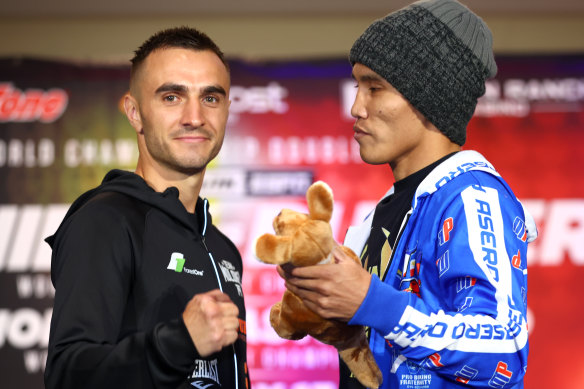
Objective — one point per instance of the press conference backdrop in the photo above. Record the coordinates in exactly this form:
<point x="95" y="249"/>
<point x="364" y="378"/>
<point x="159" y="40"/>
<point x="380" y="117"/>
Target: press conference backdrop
<point x="62" y="129"/>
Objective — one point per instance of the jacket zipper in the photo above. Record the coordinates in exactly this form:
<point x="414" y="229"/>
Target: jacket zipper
<point x="205" y="207"/>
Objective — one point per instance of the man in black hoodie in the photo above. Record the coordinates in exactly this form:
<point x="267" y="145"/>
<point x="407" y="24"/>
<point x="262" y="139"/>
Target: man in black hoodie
<point x="148" y="290"/>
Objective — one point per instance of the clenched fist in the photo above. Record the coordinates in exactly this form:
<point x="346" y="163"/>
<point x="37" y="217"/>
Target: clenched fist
<point x="211" y="319"/>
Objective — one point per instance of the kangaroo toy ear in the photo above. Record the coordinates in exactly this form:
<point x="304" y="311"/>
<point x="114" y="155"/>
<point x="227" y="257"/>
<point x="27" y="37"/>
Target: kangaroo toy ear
<point x="319" y="197"/>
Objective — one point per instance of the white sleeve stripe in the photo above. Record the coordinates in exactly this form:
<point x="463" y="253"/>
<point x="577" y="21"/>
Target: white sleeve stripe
<point x="486" y="239"/>
<point x="438" y="331"/>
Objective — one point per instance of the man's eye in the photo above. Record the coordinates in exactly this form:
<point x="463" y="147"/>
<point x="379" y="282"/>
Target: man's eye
<point x="211" y="99"/>
<point x="170" y="98"/>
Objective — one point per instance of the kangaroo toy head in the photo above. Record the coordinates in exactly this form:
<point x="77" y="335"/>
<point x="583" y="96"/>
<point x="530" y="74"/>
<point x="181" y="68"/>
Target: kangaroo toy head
<point x="301" y="239"/>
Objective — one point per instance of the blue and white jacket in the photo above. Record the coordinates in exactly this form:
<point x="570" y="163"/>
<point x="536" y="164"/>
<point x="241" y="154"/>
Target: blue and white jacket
<point x="451" y="310"/>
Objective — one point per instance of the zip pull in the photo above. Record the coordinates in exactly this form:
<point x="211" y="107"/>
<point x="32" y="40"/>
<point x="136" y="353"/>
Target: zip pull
<point x="205" y="244"/>
<point x="205" y="208"/>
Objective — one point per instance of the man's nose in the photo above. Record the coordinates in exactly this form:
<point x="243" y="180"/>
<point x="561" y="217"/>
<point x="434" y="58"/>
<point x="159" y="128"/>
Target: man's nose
<point x="358" y="110"/>
<point x="193" y="114"/>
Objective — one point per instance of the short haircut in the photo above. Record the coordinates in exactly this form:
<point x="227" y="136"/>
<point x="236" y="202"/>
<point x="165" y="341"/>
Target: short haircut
<point x="178" y="37"/>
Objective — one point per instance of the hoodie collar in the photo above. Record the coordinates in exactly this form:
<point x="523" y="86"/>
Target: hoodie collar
<point x="134" y="186"/>
<point x="451" y="168"/>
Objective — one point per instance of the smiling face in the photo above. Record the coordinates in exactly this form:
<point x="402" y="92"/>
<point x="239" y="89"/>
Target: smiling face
<point x="389" y="129"/>
<point x="178" y="106"/>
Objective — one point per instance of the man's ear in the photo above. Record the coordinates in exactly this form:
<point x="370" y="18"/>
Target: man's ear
<point x="133" y="113"/>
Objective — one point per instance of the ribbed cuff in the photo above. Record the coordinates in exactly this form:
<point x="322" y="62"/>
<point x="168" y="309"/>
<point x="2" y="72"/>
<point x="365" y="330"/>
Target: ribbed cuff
<point x="382" y="307"/>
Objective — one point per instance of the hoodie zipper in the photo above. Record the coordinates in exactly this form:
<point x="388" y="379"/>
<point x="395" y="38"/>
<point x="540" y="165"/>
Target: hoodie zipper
<point x="205" y="208"/>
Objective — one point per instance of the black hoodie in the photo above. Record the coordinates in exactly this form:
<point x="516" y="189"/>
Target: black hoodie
<point x="126" y="260"/>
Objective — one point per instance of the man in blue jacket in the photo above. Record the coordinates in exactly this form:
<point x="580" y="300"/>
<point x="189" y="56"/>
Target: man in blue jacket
<point x="444" y="279"/>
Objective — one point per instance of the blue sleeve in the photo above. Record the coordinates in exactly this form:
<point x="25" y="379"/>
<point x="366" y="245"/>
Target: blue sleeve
<point x="469" y="322"/>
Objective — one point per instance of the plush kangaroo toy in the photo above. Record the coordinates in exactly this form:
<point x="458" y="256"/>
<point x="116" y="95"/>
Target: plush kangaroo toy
<point x="302" y="240"/>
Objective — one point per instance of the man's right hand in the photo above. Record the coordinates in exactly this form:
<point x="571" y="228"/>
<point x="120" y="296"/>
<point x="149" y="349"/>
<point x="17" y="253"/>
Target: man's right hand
<point x="212" y="321"/>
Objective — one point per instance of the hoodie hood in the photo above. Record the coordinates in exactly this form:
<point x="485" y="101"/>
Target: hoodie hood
<point x="133" y="185"/>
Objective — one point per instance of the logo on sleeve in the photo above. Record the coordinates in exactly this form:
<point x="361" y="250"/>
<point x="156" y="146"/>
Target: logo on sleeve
<point x="443" y="263"/>
<point x="466" y="374"/>
<point x="516" y="260"/>
<point x="434" y="360"/>
<point x="519" y="229"/>
<point x="501" y="377"/>
<point x="444" y="234"/>
<point x="487" y="236"/>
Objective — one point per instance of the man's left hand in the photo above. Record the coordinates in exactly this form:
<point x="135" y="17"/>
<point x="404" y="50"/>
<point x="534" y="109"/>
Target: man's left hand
<point x="334" y="290"/>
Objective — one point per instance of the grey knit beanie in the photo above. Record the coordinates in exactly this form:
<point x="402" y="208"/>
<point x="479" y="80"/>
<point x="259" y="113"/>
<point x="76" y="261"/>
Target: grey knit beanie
<point x="437" y="54"/>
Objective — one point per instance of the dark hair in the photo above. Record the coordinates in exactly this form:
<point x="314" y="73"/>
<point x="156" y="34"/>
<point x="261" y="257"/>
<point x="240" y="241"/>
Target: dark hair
<point x="178" y="37"/>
